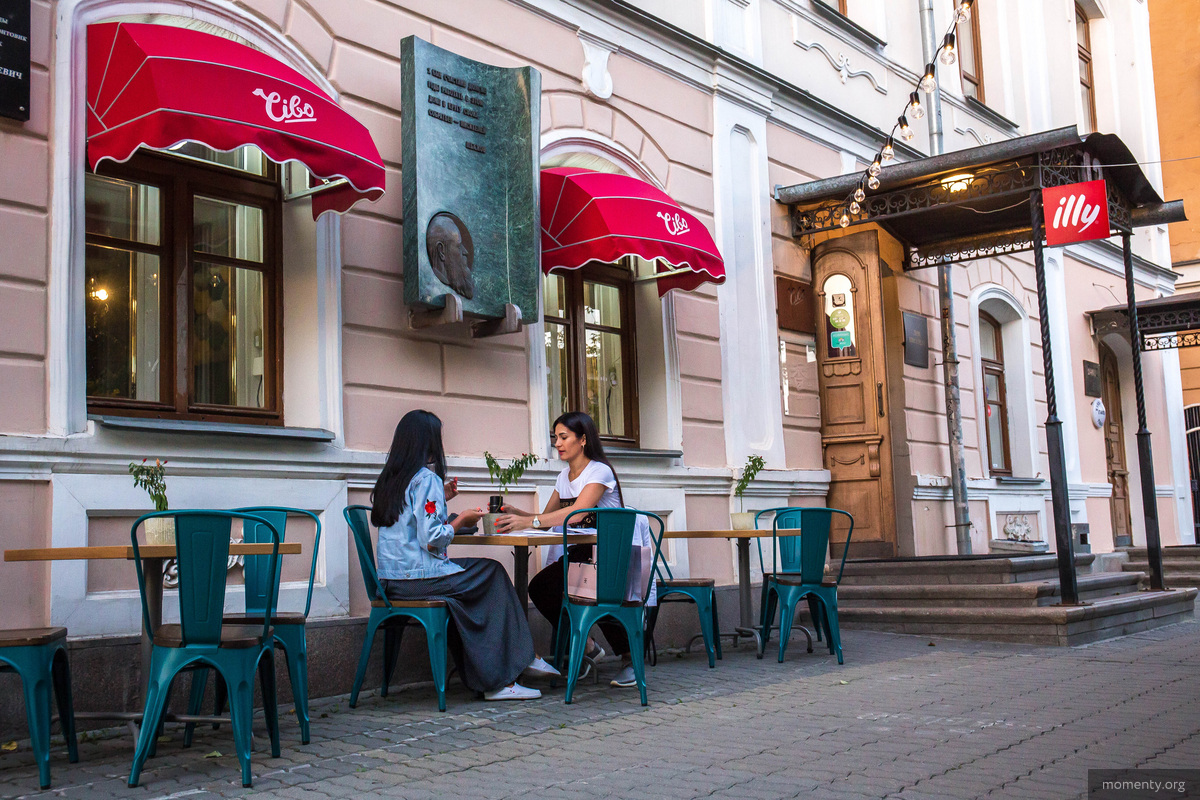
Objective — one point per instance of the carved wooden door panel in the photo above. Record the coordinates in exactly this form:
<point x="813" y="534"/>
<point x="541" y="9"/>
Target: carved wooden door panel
<point x="1114" y="448"/>
<point x="854" y="424"/>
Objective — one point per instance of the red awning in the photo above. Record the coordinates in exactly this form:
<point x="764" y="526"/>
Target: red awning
<point x="159" y="85"/>
<point x="601" y="216"/>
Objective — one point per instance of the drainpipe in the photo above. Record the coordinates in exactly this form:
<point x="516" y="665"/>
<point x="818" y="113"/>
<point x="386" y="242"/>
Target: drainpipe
<point x="958" y="468"/>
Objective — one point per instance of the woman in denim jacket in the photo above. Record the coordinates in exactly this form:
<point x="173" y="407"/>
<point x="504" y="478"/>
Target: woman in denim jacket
<point x="490" y="637"/>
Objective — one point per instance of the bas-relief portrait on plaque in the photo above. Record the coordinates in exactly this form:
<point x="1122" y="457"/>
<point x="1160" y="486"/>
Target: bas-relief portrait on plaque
<point x="470" y="183"/>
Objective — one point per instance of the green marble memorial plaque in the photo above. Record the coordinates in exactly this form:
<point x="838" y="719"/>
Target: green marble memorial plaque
<point x="470" y="136"/>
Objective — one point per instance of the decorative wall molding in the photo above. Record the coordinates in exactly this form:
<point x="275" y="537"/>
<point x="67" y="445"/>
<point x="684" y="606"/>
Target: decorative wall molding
<point x="841" y="64"/>
<point x="597" y="80"/>
<point x="974" y="134"/>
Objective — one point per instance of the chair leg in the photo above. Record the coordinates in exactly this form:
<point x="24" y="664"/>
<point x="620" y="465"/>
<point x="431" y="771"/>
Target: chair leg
<point x="195" y="701"/>
<point x="368" y="640"/>
<point x="36" y="683"/>
<point x="770" y="600"/>
<point x="391" y="651"/>
<point x="61" y="671"/>
<point x="295" y="650"/>
<point x="241" y="713"/>
<point x="577" y="633"/>
<point x="812" y="612"/>
<point x="562" y="634"/>
<point x="786" y="612"/>
<point x="651" y="622"/>
<point x="831" y="625"/>
<point x="157" y="693"/>
<point x="635" y="629"/>
<point x="220" y="698"/>
<point x="435" y="637"/>
<point x="716" y="623"/>
<point x="162" y="717"/>
<point x="704" y="607"/>
<point x="266" y="675"/>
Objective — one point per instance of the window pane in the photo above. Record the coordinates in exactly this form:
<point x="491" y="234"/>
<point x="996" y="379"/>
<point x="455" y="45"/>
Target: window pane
<point x="123" y="324"/>
<point x="227" y="336"/>
<point x="247" y="158"/>
<point x="987" y="340"/>
<point x="557" y="372"/>
<point x="605" y="382"/>
<point x="965" y="40"/>
<point x="554" y="296"/>
<point x="602" y="305"/>
<point x="839" y="317"/>
<point x="122" y="209"/>
<point x="1089" y="113"/>
<point x="228" y="229"/>
<point x="995" y="424"/>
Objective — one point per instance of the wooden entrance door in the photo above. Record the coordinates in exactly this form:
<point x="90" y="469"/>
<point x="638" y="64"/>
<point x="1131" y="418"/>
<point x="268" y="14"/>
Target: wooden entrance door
<point x="1114" y="448"/>
<point x="851" y="374"/>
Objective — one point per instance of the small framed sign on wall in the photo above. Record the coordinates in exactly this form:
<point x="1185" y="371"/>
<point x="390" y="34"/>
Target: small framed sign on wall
<point x="14" y="59"/>
<point x="916" y="340"/>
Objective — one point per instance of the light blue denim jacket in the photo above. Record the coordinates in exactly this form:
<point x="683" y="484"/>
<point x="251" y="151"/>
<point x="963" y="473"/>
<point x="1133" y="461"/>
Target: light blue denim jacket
<point x="403" y="547"/>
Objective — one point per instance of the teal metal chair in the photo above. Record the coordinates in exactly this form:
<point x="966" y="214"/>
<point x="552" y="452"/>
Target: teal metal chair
<point x="288" y="626"/>
<point x="393" y="615"/>
<point x="799" y="573"/>
<point x="788" y="519"/>
<point x="201" y="639"/>
<point x="614" y="544"/>
<point x="39" y="657"/>
<point x="699" y="591"/>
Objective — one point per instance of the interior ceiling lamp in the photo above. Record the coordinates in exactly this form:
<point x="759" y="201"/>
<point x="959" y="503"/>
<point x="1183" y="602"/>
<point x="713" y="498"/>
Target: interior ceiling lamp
<point x="958" y="183"/>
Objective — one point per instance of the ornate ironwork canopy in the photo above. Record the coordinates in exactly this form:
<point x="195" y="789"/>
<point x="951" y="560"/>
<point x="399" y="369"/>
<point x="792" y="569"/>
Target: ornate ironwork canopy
<point x="1164" y="324"/>
<point x="975" y="203"/>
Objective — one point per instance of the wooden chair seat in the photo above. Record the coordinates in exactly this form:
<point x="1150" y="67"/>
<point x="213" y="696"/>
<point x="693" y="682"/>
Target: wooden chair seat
<point x="409" y="603"/>
<point x="278" y="618"/>
<point x="687" y="583"/>
<point x="232" y="636"/>
<point x="591" y="601"/>
<point x="30" y="637"/>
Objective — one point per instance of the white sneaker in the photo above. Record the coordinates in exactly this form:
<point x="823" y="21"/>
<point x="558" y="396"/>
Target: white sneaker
<point x="514" y="692"/>
<point x="625" y="678"/>
<point x="539" y="668"/>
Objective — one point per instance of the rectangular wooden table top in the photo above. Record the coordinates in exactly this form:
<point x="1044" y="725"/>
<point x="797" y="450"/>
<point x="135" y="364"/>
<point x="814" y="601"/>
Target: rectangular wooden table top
<point x="532" y="539"/>
<point x="125" y="551"/>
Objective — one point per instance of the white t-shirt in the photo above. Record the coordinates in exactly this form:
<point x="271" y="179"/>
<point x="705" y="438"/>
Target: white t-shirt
<point x="568" y="490"/>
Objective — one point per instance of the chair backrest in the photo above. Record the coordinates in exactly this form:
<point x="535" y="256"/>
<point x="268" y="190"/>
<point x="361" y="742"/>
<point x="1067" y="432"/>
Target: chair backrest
<point x="806" y="554"/>
<point x="356" y="517"/>
<point x="202" y="555"/>
<point x="614" y="545"/>
<point x="257" y="579"/>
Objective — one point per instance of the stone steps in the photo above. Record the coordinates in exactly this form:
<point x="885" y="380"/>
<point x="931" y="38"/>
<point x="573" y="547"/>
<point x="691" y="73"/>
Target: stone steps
<point x="958" y="570"/>
<point x="1026" y="594"/>
<point x="1181" y="564"/>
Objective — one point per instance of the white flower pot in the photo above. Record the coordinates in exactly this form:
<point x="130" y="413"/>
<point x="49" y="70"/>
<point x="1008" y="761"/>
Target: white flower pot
<point x="160" y="530"/>
<point x="742" y="520"/>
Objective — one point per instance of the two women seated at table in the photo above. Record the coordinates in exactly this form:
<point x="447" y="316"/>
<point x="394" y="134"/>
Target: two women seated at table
<point x="588" y="481"/>
<point x="489" y="636"/>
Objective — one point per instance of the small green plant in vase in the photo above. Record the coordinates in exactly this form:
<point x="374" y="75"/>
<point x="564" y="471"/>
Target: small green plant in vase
<point x="504" y="476"/>
<point x="743" y="520"/>
<point x="153" y="478"/>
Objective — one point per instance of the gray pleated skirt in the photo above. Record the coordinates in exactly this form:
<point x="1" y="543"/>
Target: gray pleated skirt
<point x="489" y="635"/>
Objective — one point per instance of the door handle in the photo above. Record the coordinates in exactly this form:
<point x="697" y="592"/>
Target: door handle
<point x="879" y="398"/>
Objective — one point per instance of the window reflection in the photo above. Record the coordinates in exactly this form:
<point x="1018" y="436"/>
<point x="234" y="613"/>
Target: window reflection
<point x="840" y="335"/>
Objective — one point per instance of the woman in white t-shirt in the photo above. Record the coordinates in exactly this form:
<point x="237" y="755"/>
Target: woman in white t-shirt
<point x="588" y="481"/>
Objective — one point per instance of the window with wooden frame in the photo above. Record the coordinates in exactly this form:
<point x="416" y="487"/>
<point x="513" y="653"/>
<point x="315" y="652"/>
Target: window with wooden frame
<point x="1087" y="86"/>
<point x="995" y="406"/>
<point x="182" y="286"/>
<point x="970" y="62"/>
<point x="590" y="347"/>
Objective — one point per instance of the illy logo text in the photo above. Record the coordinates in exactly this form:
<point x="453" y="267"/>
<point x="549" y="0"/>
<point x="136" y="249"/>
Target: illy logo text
<point x="1080" y="212"/>
<point x="294" y="110"/>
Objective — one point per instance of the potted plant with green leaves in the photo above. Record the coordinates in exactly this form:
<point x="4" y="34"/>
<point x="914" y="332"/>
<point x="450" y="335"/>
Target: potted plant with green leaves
<point x="504" y="476"/>
<point x="743" y="520"/>
<point x="153" y="478"/>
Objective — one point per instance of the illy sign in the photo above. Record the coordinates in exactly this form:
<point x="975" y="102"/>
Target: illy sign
<point x="1076" y="213"/>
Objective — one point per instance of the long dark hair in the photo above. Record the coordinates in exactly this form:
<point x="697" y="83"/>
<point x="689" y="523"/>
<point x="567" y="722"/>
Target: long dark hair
<point x="584" y="427"/>
<point x="417" y="443"/>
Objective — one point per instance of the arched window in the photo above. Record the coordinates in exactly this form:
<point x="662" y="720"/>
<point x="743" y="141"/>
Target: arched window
<point x="995" y="406"/>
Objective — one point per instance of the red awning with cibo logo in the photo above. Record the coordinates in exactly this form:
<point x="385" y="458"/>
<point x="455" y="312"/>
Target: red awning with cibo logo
<point x="159" y="85"/>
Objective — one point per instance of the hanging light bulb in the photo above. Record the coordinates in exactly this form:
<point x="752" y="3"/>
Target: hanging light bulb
<point x="905" y="130"/>
<point x="888" y="151"/>
<point x="964" y="11"/>
<point x="873" y="182"/>
<point x="873" y="170"/>
<point x="859" y="194"/>
<point x="855" y="207"/>
<point x="948" y="56"/>
<point x="844" y="221"/>
<point x="914" y="106"/>
<point x="929" y="80"/>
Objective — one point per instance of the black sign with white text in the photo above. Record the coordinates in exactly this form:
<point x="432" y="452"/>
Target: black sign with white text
<point x="14" y="59"/>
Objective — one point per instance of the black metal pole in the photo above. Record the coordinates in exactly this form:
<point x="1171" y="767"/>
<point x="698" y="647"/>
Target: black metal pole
<point x="1145" y="455"/>
<point x="1059" y="502"/>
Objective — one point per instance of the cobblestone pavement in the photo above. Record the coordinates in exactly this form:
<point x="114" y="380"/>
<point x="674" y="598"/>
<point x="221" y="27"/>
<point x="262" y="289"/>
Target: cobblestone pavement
<point x="901" y="719"/>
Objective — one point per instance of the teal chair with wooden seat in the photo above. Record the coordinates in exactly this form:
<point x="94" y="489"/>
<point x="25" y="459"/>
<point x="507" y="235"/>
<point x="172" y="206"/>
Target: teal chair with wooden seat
<point x="614" y="545"/>
<point x="289" y="626"/>
<point x="39" y="657"/>
<point x="201" y="639"/>
<point x="393" y="615"/>
<point x="699" y="591"/>
<point x="799" y="573"/>
<point x="784" y="518"/>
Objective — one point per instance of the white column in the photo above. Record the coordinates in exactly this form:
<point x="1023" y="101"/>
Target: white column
<point x="1177" y="441"/>
<point x="1064" y="378"/>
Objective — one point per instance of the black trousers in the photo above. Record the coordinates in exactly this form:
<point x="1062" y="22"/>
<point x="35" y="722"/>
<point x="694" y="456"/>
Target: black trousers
<point x="546" y="592"/>
<point x="489" y="635"/>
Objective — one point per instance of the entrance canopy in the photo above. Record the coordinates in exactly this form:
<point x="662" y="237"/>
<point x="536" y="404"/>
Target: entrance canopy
<point x="159" y="85"/>
<point x="1164" y="323"/>
<point x="974" y="203"/>
<point x="602" y="216"/>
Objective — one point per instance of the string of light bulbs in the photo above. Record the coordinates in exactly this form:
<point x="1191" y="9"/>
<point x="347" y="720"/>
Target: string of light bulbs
<point x="947" y="54"/>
